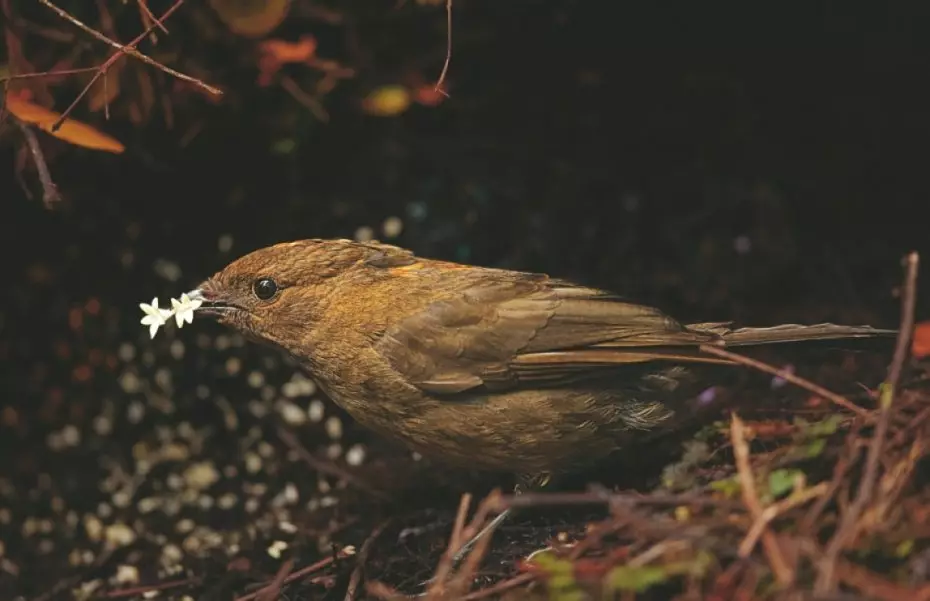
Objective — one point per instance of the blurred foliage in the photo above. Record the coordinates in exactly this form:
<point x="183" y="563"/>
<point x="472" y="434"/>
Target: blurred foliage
<point x="305" y="56"/>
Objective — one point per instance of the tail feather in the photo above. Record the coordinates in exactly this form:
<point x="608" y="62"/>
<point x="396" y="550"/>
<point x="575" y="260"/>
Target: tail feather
<point x="790" y="333"/>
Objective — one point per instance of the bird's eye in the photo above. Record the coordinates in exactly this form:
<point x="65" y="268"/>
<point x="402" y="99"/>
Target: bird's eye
<point x="264" y="288"/>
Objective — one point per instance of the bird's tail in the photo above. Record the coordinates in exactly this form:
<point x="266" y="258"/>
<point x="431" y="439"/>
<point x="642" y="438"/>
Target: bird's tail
<point x="789" y="333"/>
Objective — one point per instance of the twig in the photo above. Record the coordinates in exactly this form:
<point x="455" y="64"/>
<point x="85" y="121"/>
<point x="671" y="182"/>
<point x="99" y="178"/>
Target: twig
<point x="356" y="578"/>
<point x="780" y="568"/>
<point x="273" y="589"/>
<point x="48" y="74"/>
<point x="306" y="100"/>
<point x="849" y="523"/>
<point x="121" y="50"/>
<point x="149" y="18"/>
<point x="50" y="194"/>
<point x="788" y="377"/>
<point x="127" y="49"/>
<point x="776" y="509"/>
<point x="301" y="573"/>
<point x="327" y="467"/>
<point x="876" y="587"/>
<point x="607" y="498"/>
<point x="445" y="65"/>
<point x="148" y="588"/>
<point x="455" y="543"/>
<point x="500" y="587"/>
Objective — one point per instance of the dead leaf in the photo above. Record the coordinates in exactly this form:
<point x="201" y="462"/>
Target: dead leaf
<point x="920" y="343"/>
<point x="277" y="53"/>
<point x="72" y="131"/>
<point x="105" y="91"/>
<point x="387" y="101"/>
<point x="251" y="18"/>
<point x="428" y="95"/>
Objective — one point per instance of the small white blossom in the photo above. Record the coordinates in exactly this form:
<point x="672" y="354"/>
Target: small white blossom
<point x="154" y="317"/>
<point x="184" y="309"/>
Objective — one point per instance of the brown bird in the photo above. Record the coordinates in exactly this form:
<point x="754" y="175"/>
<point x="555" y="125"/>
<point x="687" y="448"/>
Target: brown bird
<point x="482" y="368"/>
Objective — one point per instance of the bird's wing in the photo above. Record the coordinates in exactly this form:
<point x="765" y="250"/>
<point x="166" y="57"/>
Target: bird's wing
<point x="504" y="334"/>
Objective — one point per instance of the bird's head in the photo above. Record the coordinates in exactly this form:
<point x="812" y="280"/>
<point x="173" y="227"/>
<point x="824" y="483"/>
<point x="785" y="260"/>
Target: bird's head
<point x="277" y="293"/>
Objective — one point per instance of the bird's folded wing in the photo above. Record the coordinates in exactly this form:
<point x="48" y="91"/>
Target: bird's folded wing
<point x="511" y="333"/>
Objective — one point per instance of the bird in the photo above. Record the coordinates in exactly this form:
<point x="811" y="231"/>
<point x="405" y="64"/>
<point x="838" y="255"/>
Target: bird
<point x="477" y="367"/>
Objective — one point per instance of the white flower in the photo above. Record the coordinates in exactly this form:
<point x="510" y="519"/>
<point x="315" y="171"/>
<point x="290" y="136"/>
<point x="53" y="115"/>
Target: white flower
<point x="154" y="317"/>
<point x="184" y="309"/>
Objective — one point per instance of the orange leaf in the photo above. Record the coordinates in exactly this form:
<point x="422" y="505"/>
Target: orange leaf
<point x="920" y="343"/>
<point x="75" y="132"/>
<point x="428" y="95"/>
<point x="276" y="53"/>
<point x="387" y="101"/>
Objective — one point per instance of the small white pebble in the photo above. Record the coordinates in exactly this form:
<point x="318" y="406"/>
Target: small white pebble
<point x="129" y="382"/>
<point x="364" y="234"/>
<point x="126" y="352"/>
<point x="316" y="410"/>
<point x="292" y="414"/>
<point x="233" y="365"/>
<point x="184" y="526"/>
<point x="70" y="435"/>
<point x="287" y="527"/>
<point x="176" y="349"/>
<point x="127" y="574"/>
<point x="103" y="425"/>
<point x="200" y="476"/>
<point x="135" y="412"/>
<point x="119" y="535"/>
<point x="334" y="450"/>
<point x="256" y="379"/>
<point x="355" y="455"/>
<point x="334" y="427"/>
<point x="276" y="548"/>
<point x="392" y="227"/>
<point x="253" y="463"/>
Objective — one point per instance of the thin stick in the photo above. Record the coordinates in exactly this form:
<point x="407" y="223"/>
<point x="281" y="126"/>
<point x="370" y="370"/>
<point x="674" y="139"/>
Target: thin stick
<point x="780" y="568"/>
<point x="273" y="589"/>
<point x="48" y="74"/>
<point x="356" y="578"/>
<point x="776" y="509"/>
<point x="445" y="66"/>
<point x="148" y="588"/>
<point x="788" y="377"/>
<point x="129" y="48"/>
<point x="455" y="543"/>
<point x="301" y="573"/>
<point x="849" y="524"/>
<point x="50" y="194"/>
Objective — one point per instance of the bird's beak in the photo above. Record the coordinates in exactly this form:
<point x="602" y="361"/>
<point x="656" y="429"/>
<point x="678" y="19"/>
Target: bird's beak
<point x="215" y="302"/>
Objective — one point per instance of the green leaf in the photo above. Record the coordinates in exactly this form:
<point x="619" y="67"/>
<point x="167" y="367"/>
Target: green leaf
<point x="730" y="487"/>
<point x="781" y="482"/>
<point x="638" y="579"/>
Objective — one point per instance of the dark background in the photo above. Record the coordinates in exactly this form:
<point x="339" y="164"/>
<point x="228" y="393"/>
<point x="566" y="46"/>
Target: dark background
<point x="625" y="145"/>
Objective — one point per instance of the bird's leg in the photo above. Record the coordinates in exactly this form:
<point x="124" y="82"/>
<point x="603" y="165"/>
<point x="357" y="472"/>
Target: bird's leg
<point x="524" y="484"/>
